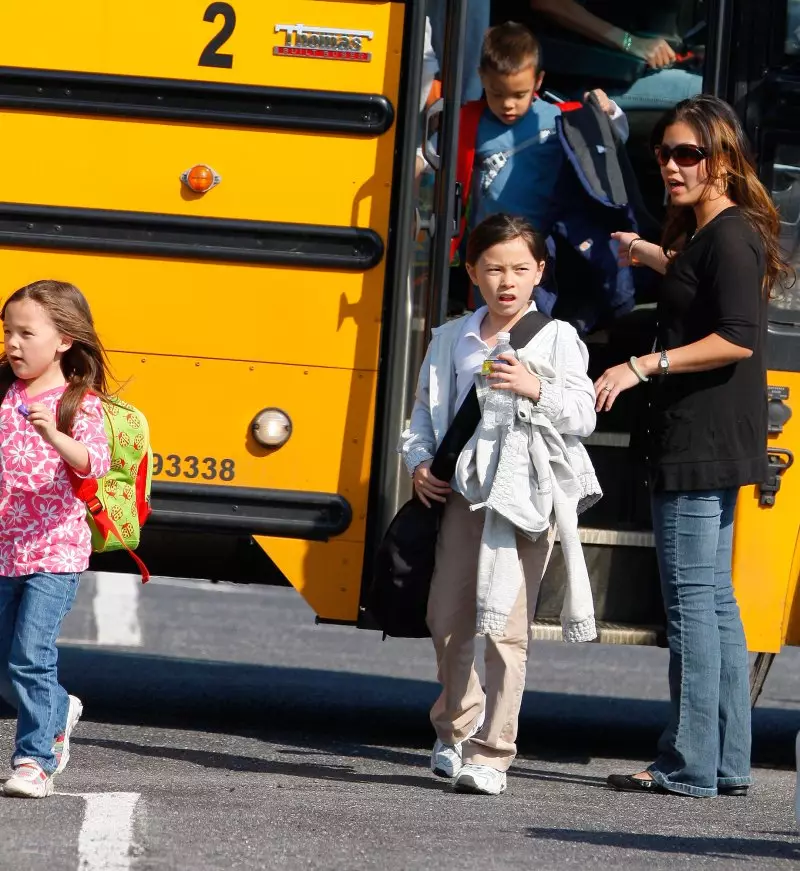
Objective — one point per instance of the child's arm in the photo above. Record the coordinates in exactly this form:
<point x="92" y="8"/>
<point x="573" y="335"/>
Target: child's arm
<point x="72" y="452"/>
<point x="418" y="442"/>
<point x="87" y="452"/>
<point x="569" y="406"/>
<point x="618" y="118"/>
<point x="567" y="403"/>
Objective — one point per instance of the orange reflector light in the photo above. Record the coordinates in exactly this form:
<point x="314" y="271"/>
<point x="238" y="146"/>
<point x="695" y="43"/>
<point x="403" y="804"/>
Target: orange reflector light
<point x="200" y="178"/>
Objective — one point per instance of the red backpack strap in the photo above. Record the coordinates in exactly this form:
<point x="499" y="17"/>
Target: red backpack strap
<point x="86" y="490"/>
<point x="467" y="139"/>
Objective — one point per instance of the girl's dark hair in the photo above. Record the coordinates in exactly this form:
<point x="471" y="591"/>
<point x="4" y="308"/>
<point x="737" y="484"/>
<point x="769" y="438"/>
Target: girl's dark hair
<point x="720" y="132"/>
<point x="500" y="228"/>
<point x="85" y="365"/>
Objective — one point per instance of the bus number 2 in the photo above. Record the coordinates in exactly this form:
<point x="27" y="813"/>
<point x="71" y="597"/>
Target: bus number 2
<point x="209" y="468"/>
<point x="211" y="56"/>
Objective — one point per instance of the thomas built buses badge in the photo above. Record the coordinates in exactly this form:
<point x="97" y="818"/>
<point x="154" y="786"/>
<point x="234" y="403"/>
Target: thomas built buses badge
<point x="323" y="43"/>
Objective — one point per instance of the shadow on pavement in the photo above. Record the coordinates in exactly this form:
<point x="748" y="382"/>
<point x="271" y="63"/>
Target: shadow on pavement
<point x="312" y="708"/>
<point x="723" y="848"/>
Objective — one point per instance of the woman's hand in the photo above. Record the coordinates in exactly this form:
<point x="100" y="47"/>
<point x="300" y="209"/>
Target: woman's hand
<point x="429" y="488"/>
<point x="42" y="420"/>
<point x="656" y="52"/>
<point x="613" y="382"/>
<point x="625" y="241"/>
<point x="512" y="375"/>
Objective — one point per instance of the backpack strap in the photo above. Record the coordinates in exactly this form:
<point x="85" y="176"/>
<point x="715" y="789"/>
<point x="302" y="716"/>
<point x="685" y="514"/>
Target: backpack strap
<point x="86" y="490"/>
<point x="467" y="139"/>
<point x="468" y="415"/>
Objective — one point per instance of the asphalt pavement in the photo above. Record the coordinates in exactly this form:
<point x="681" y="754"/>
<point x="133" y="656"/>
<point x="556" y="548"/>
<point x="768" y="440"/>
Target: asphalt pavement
<point x="224" y="730"/>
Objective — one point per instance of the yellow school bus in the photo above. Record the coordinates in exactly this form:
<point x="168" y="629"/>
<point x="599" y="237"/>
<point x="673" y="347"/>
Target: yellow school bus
<point x="232" y="184"/>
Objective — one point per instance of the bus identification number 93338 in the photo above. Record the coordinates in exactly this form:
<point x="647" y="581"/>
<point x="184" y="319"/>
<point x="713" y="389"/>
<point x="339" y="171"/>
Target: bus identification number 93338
<point x="208" y="468"/>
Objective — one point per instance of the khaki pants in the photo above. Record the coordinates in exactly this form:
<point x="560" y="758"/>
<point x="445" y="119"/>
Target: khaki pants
<point x="451" y="619"/>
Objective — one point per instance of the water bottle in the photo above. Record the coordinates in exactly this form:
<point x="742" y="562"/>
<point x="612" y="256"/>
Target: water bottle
<point x="498" y="409"/>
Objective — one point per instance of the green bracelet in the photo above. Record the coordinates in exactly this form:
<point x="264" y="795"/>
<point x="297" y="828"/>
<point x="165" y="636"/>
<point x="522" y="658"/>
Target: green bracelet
<point x="627" y="41"/>
<point x="633" y="363"/>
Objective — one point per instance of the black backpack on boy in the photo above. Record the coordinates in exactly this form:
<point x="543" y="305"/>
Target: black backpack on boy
<point x="404" y="564"/>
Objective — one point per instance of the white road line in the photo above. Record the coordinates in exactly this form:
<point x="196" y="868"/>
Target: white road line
<point x="106" y="835"/>
<point x="116" y="609"/>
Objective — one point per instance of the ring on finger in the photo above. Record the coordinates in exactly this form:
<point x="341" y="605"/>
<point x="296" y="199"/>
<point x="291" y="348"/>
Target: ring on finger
<point x="607" y="388"/>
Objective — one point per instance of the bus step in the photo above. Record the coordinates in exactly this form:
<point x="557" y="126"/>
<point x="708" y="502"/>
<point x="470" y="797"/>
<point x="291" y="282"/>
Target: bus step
<point x="549" y="629"/>
<point x="615" y="537"/>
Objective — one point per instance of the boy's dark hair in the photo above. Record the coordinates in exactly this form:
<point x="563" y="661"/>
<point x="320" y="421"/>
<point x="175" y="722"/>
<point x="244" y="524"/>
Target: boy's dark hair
<point x="500" y="228"/>
<point x="508" y="48"/>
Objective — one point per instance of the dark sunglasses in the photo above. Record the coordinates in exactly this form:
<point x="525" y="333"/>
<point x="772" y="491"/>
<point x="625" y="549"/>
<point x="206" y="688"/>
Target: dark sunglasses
<point x="683" y="155"/>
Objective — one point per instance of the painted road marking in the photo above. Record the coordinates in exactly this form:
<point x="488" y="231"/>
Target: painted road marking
<point x="106" y="835"/>
<point x="116" y="609"/>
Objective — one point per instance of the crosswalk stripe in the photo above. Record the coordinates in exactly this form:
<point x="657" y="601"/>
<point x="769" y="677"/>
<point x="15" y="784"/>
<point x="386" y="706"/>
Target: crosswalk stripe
<point x="116" y="609"/>
<point x="104" y="843"/>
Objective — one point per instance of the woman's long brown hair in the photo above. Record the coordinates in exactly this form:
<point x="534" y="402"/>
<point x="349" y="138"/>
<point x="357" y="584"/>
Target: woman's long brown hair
<point x="729" y="161"/>
<point x="85" y="365"/>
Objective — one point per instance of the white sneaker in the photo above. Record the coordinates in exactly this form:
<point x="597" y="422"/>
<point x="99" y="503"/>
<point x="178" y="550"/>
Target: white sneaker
<point x="480" y="779"/>
<point x="28" y="781"/>
<point x="446" y="758"/>
<point x="61" y="744"/>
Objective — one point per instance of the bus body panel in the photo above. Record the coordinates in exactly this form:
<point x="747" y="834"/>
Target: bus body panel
<point x="199" y="342"/>
<point x="765" y="538"/>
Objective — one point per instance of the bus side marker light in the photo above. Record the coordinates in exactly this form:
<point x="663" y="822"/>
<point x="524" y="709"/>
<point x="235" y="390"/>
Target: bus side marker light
<point x="201" y="178"/>
<point x="271" y="428"/>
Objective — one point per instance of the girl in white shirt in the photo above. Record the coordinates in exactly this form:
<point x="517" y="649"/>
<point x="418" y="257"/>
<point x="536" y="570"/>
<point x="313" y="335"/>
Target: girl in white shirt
<point x="476" y="731"/>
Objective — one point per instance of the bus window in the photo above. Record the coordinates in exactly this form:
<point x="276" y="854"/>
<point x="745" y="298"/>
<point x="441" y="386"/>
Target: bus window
<point x="785" y="306"/>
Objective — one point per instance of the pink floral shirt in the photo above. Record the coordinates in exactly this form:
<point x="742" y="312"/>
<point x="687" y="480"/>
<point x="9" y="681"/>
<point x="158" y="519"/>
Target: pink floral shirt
<point x="42" y="523"/>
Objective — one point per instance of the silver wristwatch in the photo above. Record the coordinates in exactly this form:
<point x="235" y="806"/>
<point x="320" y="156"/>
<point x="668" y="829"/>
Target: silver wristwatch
<point x="663" y="363"/>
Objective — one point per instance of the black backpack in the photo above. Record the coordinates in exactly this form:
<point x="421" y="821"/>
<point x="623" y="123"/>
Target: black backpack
<point x="404" y="564"/>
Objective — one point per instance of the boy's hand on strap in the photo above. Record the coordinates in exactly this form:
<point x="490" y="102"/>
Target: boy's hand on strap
<point x="512" y="375"/>
<point x="429" y="488"/>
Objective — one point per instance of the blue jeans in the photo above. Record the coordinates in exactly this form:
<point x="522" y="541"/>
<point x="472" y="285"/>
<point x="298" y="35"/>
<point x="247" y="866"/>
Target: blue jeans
<point x="658" y="89"/>
<point x="706" y="744"/>
<point x="477" y="25"/>
<point x="32" y="608"/>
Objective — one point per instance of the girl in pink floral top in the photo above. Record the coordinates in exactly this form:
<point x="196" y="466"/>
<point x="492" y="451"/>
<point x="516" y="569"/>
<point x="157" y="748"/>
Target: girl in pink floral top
<point x="53" y="382"/>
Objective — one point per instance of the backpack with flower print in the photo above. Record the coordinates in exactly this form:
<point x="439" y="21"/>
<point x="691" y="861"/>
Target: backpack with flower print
<point x="119" y="503"/>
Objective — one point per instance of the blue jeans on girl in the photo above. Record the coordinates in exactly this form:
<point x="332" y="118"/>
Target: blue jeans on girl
<point x="706" y="744"/>
<point x="32" y="608"/>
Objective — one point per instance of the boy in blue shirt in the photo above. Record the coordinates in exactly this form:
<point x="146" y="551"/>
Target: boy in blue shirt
<point x="517" y="162"/>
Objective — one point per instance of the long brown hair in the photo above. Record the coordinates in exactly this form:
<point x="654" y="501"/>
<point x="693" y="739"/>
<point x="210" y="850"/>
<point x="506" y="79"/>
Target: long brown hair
<point x="730" y="161"/>
<point x="85" y="364"/>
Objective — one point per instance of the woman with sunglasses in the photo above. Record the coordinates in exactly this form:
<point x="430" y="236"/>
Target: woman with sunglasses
<point x="707" y="432"/>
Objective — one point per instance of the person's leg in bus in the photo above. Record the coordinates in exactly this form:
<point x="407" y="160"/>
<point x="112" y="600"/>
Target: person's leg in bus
<point x="687" y="527"/>
<point x="734" y="690"/>
<point x="506" y="660"/>
<point x="478" y="14"/>
<point x="451" y="619"/>
<point x="658" y="89"/>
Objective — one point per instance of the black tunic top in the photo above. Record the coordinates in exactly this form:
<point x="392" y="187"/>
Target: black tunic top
<point x="708" y="430"/>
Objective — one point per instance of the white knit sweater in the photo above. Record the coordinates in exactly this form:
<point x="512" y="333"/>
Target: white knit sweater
<point x="557" y="487"/>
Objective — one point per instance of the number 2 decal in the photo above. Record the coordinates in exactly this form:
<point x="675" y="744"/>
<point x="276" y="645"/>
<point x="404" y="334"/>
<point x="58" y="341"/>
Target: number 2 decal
<point x="211" y="56"/>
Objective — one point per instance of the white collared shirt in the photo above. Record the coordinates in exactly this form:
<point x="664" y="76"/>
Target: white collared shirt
<point x="470" y="352"/>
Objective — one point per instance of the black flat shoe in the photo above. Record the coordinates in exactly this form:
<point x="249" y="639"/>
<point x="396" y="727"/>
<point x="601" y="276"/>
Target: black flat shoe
<point x="733" y="790"/>
<point x="629" y="783"/>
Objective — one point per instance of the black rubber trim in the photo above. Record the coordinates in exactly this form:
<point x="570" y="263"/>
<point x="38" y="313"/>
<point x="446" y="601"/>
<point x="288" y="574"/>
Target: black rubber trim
<point x="191" y="238"/>
<point x="250" y="511"/>
<point x="72" y="93"/>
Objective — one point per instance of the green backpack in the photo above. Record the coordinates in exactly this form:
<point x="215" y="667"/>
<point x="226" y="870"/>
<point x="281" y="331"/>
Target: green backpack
<point x="118" y="504"/>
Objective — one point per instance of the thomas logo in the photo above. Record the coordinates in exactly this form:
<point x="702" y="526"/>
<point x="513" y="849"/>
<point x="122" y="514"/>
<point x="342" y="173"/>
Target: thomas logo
<point x="323" y="43"/>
